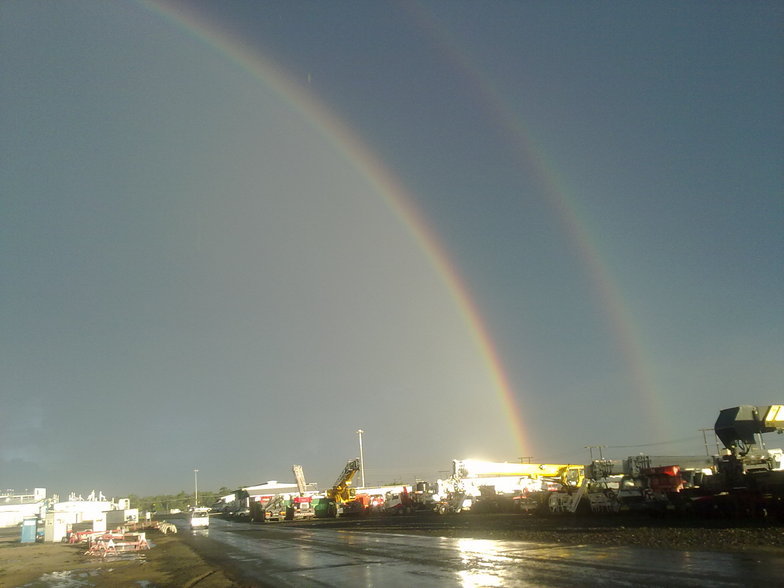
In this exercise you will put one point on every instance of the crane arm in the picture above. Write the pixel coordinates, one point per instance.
(299, 476)
(339, 490)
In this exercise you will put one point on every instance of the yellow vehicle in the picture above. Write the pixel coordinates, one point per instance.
(341, 491)
(507, 473)
(499, 486)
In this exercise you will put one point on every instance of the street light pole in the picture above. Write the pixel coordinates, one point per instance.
(196, 487)
(361, 457)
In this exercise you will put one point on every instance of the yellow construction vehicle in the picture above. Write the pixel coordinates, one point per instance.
(341, 491)
(471, 469)
(498, 486)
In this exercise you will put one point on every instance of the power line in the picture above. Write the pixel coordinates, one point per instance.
(692, 438)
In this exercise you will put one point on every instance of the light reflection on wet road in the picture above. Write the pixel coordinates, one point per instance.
(276, 555)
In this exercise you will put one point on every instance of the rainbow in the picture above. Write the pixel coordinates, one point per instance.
(627, 335)
(374, 171)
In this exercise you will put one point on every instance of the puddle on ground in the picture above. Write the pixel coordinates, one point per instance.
(65, 579)
(74, 579)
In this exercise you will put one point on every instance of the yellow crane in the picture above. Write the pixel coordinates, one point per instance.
(341, 491)
(568, 474)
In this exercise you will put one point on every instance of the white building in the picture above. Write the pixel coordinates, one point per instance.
(14, 508)
(95, 510)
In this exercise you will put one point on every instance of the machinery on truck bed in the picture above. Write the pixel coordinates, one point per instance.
(653, 484)
(750, 478)
(301, 505)
(740, 429)
(283, 504)
(494, 487)
(746, 480)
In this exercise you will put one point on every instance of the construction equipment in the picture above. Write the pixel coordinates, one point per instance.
(653, 484)
(646, 486)
(740, 429)
(275, 509)
(506, 475)
(300, 506)
(750, 480)
(299, 478)
(286, 506)
(746, 461)
(341, 491)
(493, 486)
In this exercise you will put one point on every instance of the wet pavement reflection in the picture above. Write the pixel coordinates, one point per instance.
(276, 555)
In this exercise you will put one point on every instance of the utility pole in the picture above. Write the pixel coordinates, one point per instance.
(705, 440)
(196, 487)
(361, 458)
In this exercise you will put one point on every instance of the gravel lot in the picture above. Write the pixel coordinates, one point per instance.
(621, 529)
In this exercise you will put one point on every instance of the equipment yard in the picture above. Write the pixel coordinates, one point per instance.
(513, 522)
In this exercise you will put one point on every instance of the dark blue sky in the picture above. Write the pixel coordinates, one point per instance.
(190, 260)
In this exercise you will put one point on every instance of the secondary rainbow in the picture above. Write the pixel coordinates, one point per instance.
(576, 227)
(378, 175)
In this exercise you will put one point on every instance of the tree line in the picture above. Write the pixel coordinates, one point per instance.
(164, 503)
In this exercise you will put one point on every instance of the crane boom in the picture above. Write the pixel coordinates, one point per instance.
(340, 489)
(569, 475)
(299, 476)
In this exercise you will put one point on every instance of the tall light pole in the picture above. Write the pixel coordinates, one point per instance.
(196, 487)
(361, 458)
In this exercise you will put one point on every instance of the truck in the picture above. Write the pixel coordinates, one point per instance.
(644, 483)
(746, 480)
(750, 477)
(486, 486)
(287, 506)
(300, 506)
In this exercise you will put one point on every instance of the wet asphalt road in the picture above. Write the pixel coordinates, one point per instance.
(280, 555)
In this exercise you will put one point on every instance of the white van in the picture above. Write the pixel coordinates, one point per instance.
(200, 518)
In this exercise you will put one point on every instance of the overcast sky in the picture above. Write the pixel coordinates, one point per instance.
(234, 233)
